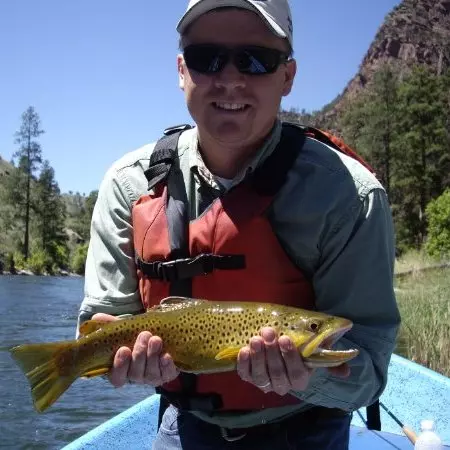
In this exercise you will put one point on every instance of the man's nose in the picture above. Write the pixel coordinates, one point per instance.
(230, 77)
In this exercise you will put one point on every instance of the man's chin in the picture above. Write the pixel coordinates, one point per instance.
(231, 133)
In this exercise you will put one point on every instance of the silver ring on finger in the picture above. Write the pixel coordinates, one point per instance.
(264, 386)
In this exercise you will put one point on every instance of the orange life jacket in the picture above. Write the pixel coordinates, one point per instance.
(230, 252)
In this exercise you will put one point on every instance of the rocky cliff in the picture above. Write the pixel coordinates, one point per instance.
(414, 32)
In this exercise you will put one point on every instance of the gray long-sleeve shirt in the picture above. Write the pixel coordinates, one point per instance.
(333, 219)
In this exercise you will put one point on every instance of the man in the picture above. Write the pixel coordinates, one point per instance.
(330, 217)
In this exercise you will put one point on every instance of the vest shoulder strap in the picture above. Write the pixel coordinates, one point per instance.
(164, 155)
(271, 175)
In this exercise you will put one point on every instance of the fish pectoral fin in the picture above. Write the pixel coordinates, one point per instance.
(228, 353)
(95, 372)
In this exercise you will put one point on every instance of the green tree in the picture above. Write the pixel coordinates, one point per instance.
(79, 259)
(50, 214)
(422, 140)
(438, 214)
(30, 158)
(87, 214)
(370, 122)
(80, 210)
(12, 201)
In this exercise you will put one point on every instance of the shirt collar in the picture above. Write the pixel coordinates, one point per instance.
(199, 169)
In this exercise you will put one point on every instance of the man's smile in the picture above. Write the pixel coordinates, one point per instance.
(231, 107)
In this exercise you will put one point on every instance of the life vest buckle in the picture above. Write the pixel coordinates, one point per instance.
(180, 269)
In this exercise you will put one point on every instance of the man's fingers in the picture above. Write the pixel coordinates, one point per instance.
(275, 364)
(139, 358)
(152, 371)
(297, 372)
(243, 364)
(119, 371)
(168, 369)
(259, 375)
(101, 317)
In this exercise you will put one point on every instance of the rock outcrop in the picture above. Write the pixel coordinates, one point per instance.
(414, 32)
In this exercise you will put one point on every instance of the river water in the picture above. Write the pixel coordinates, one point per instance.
(41, 309)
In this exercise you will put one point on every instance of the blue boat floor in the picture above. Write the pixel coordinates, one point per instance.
(414, 391)
(360, 439)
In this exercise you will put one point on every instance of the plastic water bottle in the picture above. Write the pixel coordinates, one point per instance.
(428, 439)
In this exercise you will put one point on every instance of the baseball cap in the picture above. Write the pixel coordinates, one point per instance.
(275, 13)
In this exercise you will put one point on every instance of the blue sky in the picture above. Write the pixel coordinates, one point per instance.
(102, 73)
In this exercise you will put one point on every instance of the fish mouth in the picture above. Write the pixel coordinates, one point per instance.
(319, 353)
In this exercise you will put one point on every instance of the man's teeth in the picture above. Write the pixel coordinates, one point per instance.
(231, 106)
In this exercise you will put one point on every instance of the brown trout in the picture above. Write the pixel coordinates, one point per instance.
(202, 336)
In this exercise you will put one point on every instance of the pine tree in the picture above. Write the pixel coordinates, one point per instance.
(422, 140)
(50, 215)
(30, 158)
(369, 124)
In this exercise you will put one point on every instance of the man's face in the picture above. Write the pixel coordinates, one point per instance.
(209, 96)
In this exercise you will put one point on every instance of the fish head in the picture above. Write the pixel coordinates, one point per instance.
(314, 334)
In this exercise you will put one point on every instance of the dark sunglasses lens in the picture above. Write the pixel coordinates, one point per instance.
(249, 60)
(258, 61)
(204, 59)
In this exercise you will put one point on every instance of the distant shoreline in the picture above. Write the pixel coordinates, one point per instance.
(61, 273)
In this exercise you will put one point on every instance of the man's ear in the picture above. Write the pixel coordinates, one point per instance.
(181, 66)
(291, 70)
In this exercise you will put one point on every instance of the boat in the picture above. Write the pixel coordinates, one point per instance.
(413, 393)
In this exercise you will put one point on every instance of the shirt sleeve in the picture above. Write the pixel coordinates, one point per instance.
(354, 279)
(111, 284)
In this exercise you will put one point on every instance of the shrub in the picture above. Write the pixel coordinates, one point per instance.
(438, 214)
(79, 259)
(39, 262)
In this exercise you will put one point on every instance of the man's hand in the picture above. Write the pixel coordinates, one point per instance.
(274, 364)
(144, 364)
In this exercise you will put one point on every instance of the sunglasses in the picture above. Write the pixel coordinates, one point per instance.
(251, 60)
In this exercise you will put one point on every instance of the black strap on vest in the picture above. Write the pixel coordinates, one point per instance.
(180, 269)
(267, 179)
(373, 416)
(187, 268)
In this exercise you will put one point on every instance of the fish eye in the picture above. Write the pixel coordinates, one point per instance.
(313, 325)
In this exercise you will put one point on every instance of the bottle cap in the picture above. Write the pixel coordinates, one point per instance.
(426, 425)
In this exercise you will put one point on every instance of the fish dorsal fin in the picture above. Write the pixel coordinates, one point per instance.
(174, 302)
(90, 326)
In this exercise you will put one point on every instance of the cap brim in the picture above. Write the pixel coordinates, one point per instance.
(208, 5)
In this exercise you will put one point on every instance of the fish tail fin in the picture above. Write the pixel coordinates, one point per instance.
(47, 372)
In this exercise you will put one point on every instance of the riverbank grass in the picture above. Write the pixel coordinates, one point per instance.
(424, 302)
